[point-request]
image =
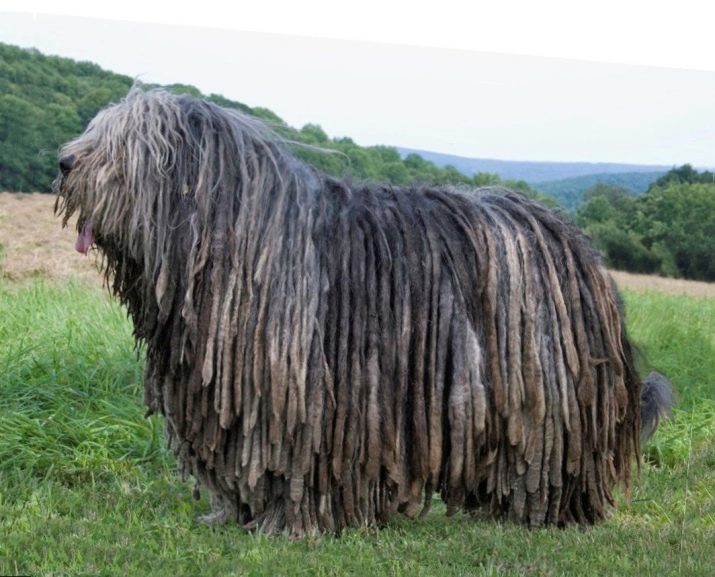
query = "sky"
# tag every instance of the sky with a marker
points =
(442, 97)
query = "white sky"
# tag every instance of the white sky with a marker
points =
(443, 96)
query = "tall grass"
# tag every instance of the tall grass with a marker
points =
(70, 387)
(676, 336)
(87, 488)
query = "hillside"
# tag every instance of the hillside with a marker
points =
(44, 100)
(569, 191)
(47, 100)
(531, 171)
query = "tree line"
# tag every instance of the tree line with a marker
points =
(668, 230)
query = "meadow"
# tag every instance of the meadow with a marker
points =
(87, 487)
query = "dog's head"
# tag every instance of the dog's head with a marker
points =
(153, 158)
(124, 170)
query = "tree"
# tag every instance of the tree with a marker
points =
(18, 143)
(679, 219)
(93, 102)
(395, 172)
(604, 202)
(607, 216)
(683, 174)
(486, 179)
(670, 229)
(313, 134)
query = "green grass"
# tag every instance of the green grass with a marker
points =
(676, 335)
(86, 487)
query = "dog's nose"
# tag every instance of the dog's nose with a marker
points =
(66, 163)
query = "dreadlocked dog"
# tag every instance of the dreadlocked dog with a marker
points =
(327, 354)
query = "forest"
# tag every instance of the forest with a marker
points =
(669, 229)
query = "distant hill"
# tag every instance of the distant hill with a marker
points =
(531, 171)
(569, 191)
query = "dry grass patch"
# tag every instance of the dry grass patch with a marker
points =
(676, 286)
(34, 244)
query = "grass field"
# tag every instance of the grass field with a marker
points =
(86, 487)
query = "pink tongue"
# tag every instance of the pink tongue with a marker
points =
(85, 239)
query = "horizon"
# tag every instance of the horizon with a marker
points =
(462, 103)
(538, 161)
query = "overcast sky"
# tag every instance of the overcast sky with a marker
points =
(463, 102)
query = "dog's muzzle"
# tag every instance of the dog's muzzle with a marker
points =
(66, 163)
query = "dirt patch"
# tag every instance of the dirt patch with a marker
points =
(33, 243)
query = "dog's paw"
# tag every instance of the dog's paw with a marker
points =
(216, 518)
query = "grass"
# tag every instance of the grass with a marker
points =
(87, 488)
(676, 335)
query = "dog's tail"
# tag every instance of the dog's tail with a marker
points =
(656, 403)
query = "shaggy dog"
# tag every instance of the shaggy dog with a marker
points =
(327, 354)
